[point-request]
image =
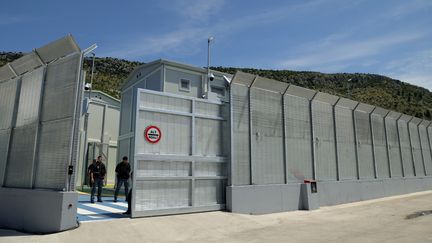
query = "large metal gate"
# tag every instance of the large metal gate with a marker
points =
(184, 171)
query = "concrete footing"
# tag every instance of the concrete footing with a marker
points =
(261, 199)
(37, 211)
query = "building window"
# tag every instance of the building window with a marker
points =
(184, 85)
(220, 91)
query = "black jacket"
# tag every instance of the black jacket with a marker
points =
(123, 170)
(98, 169)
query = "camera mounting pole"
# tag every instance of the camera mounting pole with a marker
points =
(209, 40)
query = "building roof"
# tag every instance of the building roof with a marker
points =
(149, 67)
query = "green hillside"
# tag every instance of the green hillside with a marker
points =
(368, 88)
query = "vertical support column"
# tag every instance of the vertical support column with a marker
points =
(250, 133)
(400, 148)
(38, 128)
(411, 147)
(193, 144)
(314, 166)
(284, 140)
(429, 142)
(335, 140)
(13, 124)
(231, 166)
(421, 148)
(373, 144)
(355, 141)
(387, 145)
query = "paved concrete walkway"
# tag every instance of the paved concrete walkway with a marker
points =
(381, 220)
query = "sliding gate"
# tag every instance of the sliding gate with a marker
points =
(180, 154)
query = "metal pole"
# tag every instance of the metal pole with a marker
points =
(210, 39)
(92, 74)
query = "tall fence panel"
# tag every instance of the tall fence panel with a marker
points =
(298, 138)
(425, 146)
(324, 141)
(364, 141)
(45, 93)
(416, 146)
(380, 143)
(393, 144)
(267, 137)
(405, 146)
(345, 140)
(240, 129)
(8, 90)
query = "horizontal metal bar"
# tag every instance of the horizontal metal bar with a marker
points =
(126, 136)
(164, 94)
(180, 113)
(179, 210)
(175, 178)
(180, 158)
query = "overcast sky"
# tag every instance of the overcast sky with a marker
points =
(389, 37)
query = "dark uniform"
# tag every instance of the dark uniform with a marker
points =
(98, 171)
(122, 170)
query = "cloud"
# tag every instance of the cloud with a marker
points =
(6, 19)
(337, 50)
(194, 29)
(416, 68)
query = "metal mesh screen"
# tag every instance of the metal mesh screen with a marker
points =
(54, 154)
(19, 171)
(209, 137)
(267, 137)
(345, 143)
(424, 139)
(364, 145)
(209, 192)
(404, 139)
(393, 147)
(416, 150)
(167, 103)
(298, 138)
(322, 118)
(240, 129)
(151, 195)
(4, 145)
(7, 100)
(126, 112)
(29, 100)
(207, 109)
(380, 145)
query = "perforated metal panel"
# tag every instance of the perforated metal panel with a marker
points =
(126, 112)
(54, 152)
(29, 100)
(186, 169)
(405, 145)
(298, 138)
(324, 142)
(416, 149)
(380, 145)
(346, 144)
(240, 160)
(267, 137)
(4, 145)
(427, 157)
(364, 145)
(19, 171)
(393, 147)
(8, 91)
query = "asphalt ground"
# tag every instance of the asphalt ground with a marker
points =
(406, 218)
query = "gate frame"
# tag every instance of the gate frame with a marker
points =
(192, 158)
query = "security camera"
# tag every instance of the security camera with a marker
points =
(211, 76)
(87, 86)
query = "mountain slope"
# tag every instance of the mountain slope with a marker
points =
(368, 88)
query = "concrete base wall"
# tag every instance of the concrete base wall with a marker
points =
(261, 199)
(37, 211)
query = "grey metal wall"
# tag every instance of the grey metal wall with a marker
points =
(39, 122)
(284, 134)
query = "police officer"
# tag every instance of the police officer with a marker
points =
(97, 174)
(122, 170)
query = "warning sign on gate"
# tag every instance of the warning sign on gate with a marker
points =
(152, 134)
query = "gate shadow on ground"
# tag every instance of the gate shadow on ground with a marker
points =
(107, 210)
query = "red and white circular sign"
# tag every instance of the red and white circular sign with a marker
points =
(152, 134)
